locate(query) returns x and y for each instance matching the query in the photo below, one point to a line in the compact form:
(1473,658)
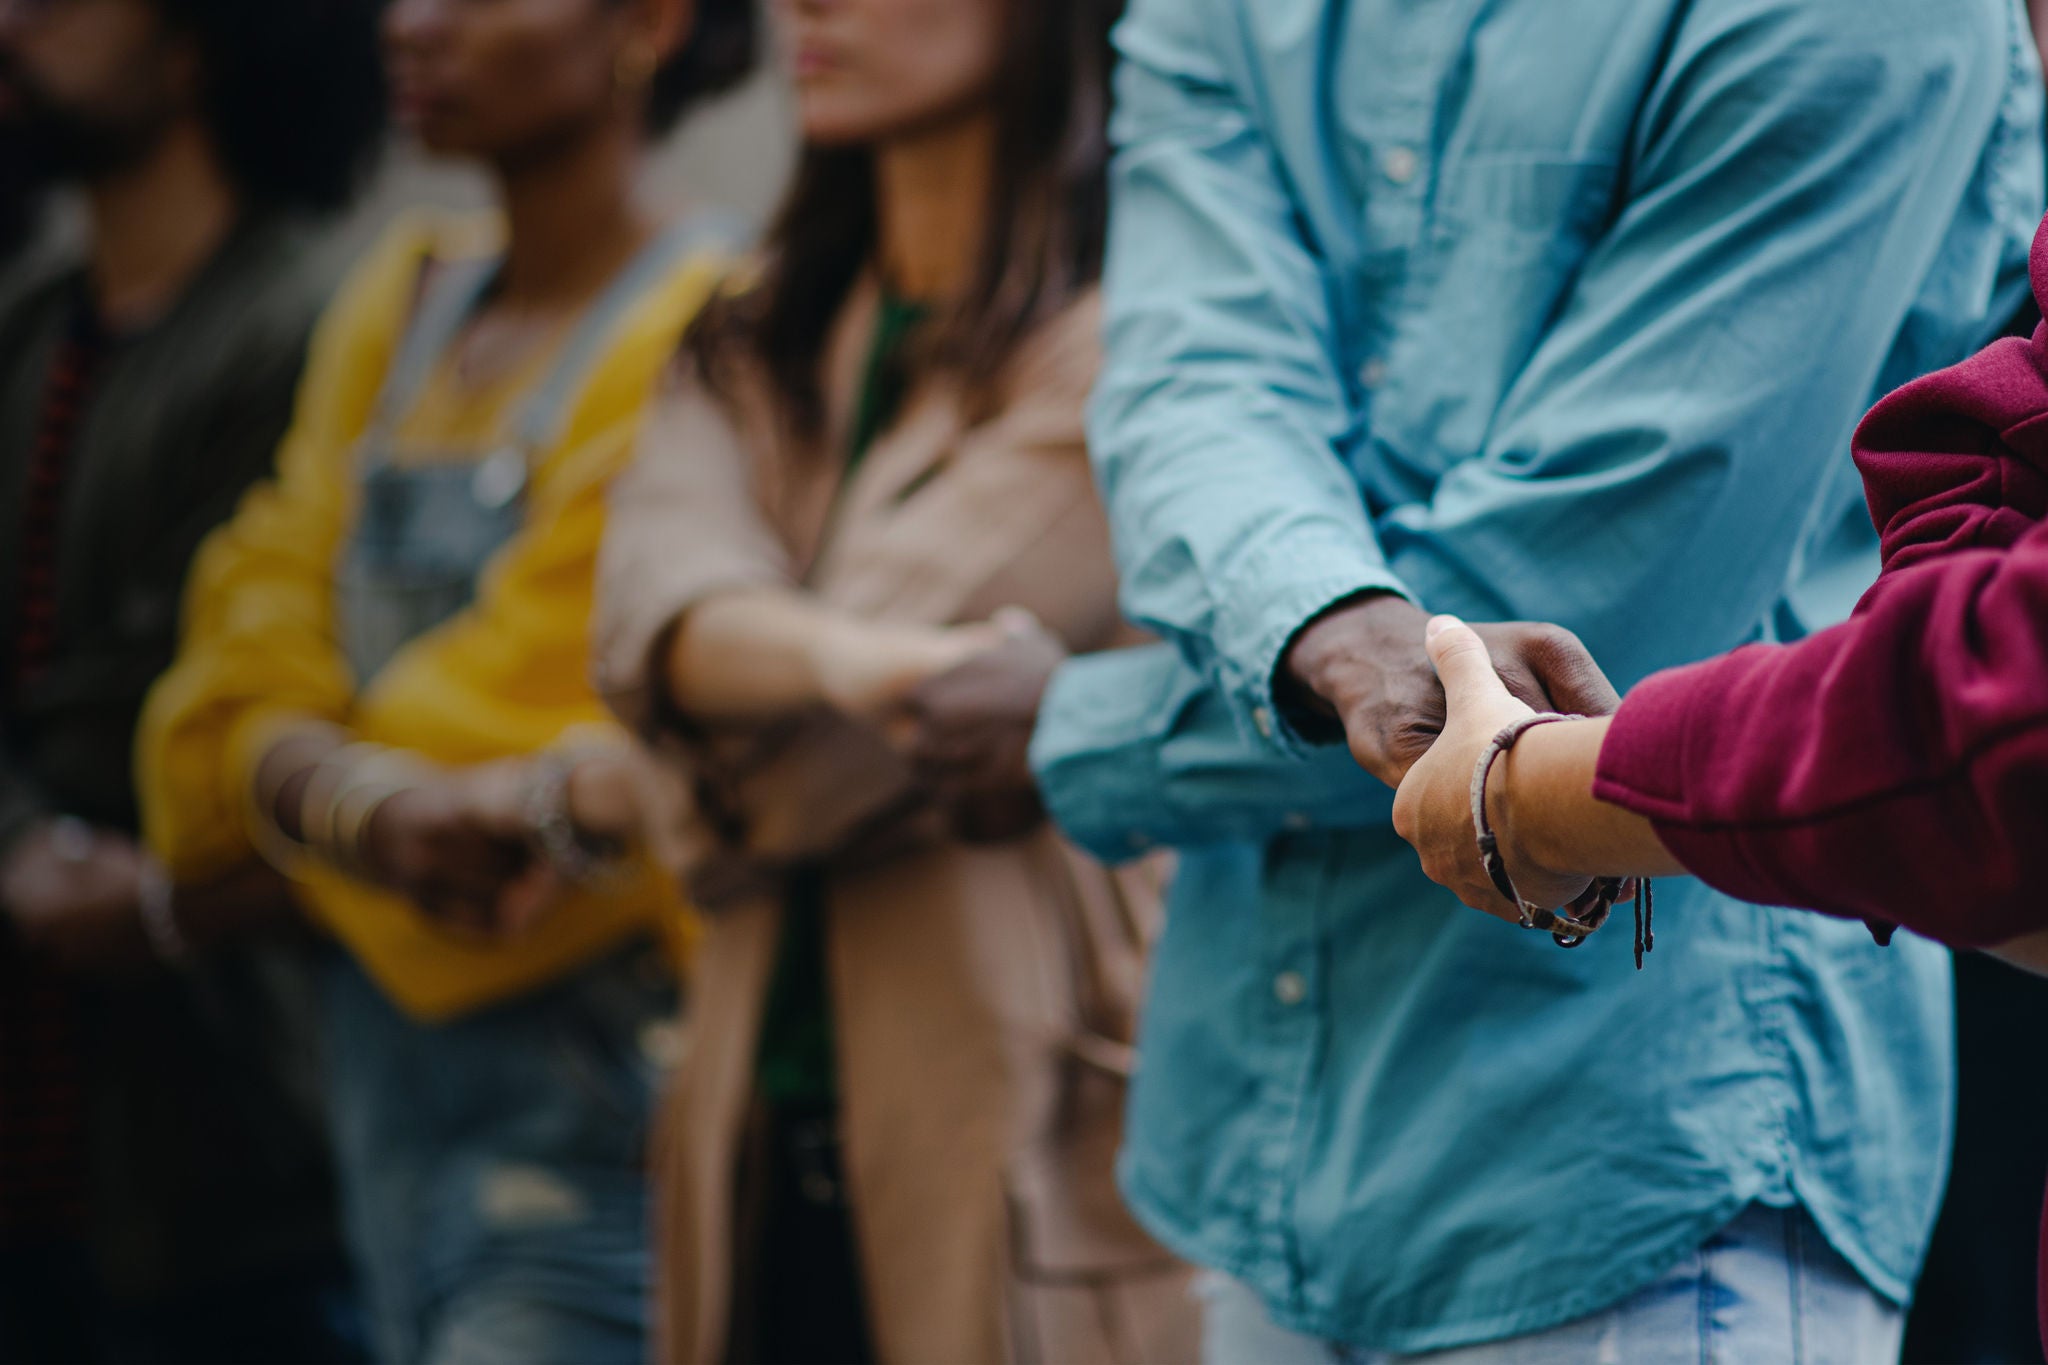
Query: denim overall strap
(453,293)
(542,418)
(424,532)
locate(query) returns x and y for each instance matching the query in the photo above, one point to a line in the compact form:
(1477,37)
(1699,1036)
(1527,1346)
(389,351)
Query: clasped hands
(1419,699)
(959,702)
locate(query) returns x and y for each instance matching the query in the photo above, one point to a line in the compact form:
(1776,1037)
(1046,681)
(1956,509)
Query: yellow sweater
(508,675)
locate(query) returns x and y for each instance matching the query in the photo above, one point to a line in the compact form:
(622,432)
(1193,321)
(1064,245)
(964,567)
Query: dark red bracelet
(1584,917)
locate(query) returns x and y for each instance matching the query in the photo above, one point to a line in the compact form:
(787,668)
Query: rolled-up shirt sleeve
(1215,421)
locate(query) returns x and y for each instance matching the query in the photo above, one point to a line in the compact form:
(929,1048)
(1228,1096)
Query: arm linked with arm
(684,534)
(1651,471)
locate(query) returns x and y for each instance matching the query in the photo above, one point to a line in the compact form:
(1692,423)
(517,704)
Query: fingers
(1462,663)
(1569,673)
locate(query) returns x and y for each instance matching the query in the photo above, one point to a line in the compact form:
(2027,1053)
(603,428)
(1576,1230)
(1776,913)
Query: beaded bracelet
(361,793)
(551,828)
(1583,917)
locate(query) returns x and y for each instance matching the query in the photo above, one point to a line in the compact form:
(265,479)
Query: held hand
(454,845)
(1433,808)
(968,731)
(1364,664)
(75,893)
(868,668)
(620,796)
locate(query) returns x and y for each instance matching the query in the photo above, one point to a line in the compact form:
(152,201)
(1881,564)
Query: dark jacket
(204,1166)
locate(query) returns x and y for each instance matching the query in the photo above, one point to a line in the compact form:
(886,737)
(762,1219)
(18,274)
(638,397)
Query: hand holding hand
(868,668)
(1433,807)
(454,844)
(968,730)
(1365,664)
(75,893)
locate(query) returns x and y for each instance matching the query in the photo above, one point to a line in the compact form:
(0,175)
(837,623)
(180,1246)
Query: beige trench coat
(983,996)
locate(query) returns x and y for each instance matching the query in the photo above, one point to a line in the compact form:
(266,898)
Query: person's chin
(826,127)
(441,139)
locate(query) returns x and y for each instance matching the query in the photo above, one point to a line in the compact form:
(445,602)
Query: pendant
(499,479)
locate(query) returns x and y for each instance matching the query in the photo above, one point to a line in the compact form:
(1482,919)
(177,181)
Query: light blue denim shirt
(1547,309)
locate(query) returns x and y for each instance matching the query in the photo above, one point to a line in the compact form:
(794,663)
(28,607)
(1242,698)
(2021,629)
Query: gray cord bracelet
(1584,917)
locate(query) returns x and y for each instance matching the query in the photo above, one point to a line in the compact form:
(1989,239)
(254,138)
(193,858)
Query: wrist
(1320,669)
(1505,802)
(1540,796)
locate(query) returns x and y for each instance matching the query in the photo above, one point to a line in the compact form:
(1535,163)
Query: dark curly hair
(722,47)
(294,93)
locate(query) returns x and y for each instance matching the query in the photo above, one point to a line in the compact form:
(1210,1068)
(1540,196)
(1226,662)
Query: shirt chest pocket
(1508,237)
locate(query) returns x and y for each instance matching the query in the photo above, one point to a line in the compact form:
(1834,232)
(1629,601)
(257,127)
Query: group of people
(602,781)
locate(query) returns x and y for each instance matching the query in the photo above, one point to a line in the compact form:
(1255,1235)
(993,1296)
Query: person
(893,1136)
(383,686)
(1890,769)
(1446,309)
(165,1192)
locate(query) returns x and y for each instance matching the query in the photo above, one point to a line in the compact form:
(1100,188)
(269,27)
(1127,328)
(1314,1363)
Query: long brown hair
(1042,245)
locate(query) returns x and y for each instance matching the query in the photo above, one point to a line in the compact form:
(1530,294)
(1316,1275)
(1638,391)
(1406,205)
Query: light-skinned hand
(1433,805)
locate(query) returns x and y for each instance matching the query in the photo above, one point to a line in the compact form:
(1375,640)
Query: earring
(636,66)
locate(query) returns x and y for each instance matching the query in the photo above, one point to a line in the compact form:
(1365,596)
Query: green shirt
(796,1066)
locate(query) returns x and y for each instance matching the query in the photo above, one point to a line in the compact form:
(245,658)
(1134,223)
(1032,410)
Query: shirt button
(1289,988)
(1400,164)
(1296,821)
(1137,843)
(1263,720)
(1373,373)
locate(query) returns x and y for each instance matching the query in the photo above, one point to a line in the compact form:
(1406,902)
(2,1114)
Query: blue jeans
(493,1169)
(1765,1290)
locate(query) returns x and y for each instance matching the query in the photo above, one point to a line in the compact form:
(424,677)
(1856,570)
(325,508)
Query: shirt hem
(1614,1287)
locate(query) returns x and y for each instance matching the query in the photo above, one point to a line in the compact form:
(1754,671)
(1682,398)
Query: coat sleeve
(685,525)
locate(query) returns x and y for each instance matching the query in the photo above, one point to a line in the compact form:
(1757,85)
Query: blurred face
(870,70)
(89,87)
(495,79)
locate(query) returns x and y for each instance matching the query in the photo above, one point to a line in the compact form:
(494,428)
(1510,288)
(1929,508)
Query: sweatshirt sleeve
(1896,766)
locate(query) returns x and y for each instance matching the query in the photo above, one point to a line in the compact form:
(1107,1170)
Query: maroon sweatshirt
(1894,768)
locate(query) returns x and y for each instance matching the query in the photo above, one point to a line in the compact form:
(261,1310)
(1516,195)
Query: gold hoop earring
(635,66)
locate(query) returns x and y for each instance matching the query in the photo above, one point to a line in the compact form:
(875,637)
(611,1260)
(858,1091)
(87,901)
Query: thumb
(1463,664)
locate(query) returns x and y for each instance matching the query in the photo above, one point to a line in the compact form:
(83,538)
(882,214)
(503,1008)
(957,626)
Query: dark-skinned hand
(73,893)
(968,732)
(455,845)
(1364,665)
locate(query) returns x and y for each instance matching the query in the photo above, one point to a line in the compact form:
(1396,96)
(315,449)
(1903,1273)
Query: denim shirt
(1548,309)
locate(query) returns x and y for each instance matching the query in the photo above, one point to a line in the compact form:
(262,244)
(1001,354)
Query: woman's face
(495,79)
(869,70)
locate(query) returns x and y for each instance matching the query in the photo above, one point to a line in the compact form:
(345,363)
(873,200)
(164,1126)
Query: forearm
(277,784)
(1540,801)
(750,654)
